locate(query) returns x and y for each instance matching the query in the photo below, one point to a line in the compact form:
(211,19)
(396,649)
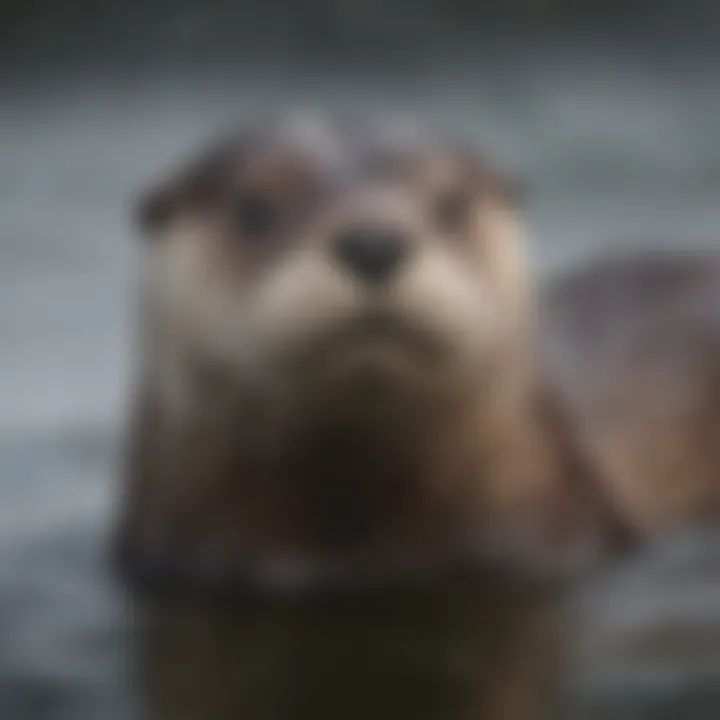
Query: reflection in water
(486,650)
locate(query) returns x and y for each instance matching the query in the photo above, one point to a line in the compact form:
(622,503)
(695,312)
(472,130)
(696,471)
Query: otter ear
(156,208)
(196,185)
(496,183)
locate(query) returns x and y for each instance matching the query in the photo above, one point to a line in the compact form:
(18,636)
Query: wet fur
(289,416)
(632,351)
(456,456)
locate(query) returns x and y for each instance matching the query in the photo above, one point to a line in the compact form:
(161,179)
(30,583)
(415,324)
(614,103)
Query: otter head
(357,289)
(309,252)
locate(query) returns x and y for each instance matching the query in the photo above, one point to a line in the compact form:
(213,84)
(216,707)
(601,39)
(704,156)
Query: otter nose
(371,253)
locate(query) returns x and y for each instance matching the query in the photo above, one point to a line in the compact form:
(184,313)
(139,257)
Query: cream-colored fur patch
(203,308)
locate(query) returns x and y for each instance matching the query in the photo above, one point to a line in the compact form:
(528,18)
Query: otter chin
(377,359)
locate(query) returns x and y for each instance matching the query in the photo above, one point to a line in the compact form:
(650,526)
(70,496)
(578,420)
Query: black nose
(371,253)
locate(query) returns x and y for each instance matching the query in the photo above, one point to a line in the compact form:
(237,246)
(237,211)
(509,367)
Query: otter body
(339,392)
(632,349)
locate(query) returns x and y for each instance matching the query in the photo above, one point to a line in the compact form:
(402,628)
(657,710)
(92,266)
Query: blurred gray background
(608,111)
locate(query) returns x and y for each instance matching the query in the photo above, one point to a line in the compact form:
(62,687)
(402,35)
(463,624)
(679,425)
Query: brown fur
(633,355)
(270,433)
(475,640)
(210,497)
(295,434)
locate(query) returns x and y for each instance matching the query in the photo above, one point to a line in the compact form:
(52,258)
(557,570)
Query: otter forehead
(312,160)
(343,146)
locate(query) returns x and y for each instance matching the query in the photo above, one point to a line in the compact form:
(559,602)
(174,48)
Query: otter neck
(410,479)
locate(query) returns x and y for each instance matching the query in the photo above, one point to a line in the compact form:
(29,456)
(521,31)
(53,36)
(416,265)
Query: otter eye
(452,211)
(255,216)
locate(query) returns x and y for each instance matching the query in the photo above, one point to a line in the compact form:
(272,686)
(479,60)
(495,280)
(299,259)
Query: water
(615,149)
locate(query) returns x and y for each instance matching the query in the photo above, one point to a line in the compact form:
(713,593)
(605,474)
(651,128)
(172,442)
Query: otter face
(311,247)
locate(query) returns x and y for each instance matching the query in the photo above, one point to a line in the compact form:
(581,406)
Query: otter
(356,479)
(336,378)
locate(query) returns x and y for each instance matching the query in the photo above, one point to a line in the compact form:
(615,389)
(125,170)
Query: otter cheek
(453,303)
(301,299)
(199,306)
(502,236)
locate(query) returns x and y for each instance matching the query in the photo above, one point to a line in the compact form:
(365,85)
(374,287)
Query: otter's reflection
(471,649)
